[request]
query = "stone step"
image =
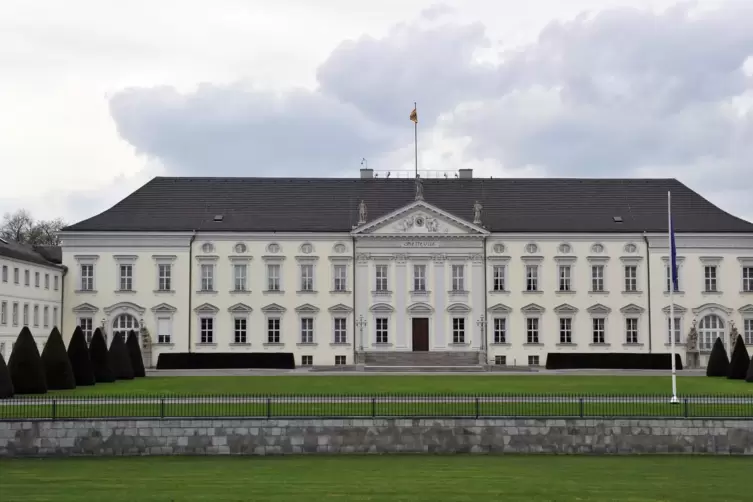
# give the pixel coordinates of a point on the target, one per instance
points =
(424, 369)
(407, 358)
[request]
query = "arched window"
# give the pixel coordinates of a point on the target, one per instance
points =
(123, 324)
(710, 328)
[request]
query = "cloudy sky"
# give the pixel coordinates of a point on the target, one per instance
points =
(98, 96)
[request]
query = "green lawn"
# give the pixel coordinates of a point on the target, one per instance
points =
(417, 384)
(378, 478)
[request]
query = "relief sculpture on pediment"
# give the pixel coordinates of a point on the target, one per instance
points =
(406, 224)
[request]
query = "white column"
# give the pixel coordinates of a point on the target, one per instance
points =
(477, 299)
(438, 340)
(401, 288)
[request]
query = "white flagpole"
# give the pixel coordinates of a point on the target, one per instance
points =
(671, 299)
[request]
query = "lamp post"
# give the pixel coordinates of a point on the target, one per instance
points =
(481, 323)
(361, 323)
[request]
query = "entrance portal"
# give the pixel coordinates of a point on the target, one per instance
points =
(420, 334)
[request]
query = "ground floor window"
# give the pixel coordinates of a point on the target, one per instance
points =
(500, 330)
(273, 330)
(500, 360)
(123, 324)
(87, 326)
(458, 330)
(748, 331)
(533, 360)
(207, 330)
(164, 330)
(710, 328)
(307, 360)
(340, 360)
(239, 333)
(382, 330)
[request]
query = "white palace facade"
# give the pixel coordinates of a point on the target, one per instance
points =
(394, 271)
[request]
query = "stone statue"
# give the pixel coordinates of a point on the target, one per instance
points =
(692, 344)
(733, 334)
(432, 225)
(419, 188)
(477, 207)
(362, 213)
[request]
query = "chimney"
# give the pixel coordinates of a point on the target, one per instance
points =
(465, 173)
(367, 173)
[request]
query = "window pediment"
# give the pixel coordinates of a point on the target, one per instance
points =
(499, 308)
(747, 309)
(240, 308)
(340, 308)
(382, 308)
(632, 308)
(679, 309)
(533, 308)
(124, 306)
(599, 309)
(565, 309)
(712, 307)
(420, 308)
(164, 307)
(85, 308)
(273, 308)
(306, 308)
(206, 308)
(459, 308)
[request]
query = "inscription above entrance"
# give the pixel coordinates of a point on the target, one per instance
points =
(421, 244)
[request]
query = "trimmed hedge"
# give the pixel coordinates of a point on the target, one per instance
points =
(225, 360)
(6, 385)
(749, 376)
(611, 361)
(25, 366)
(119, 359)
(78, 355)
(738, 365)
(718, 365)
(57, 366)
(134, 351)
(100, 358)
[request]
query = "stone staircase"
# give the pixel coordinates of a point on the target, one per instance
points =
(422, 361)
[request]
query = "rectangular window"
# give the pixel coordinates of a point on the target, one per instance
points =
(36, 316)
(46, 281)
(566, 330)
(165, 273)
(341, 277)
(631, 330)
(4, 313)
(307, 277)
(307, 360)
(54, 316)
(676, 330)
(532, 330)
(307, 330)
(599, 330)
(164, 330)
(15, 276)
(631, 278)
(341, 330)
(207, 277)
(273, 277)
(36, 279)
(458, 330)
(458, 278)
(748, 279)
(341, 360)
(532, 277)
(207, 330)
(533, 360)
(55, 282)
(239, 330)
(15, 314)
(382, 330)
(500, 360)
(668, 277)
(419, 277)
(500, 330)
(5, 273)
(709, 273)
(27, 277)
(273, 330)
(239, 278)
(498, 278)
(87, 326)
(126, 277)
(564, 278)
(381, 278)
(87, 277)
(748, 331)
(597, 277)
(26, 314)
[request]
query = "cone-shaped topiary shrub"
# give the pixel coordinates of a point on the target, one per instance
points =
(6, 385)
(25, 366)
(135, 353)
(119, 359)
(100, 358)
(749, 376)
(78, 355)
(57, 367)
(738, 365)
(718, 365)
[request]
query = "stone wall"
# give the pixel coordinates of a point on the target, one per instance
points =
(271, 437)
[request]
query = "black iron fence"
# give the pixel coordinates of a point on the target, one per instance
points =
(375, 406)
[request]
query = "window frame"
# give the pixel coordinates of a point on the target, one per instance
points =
(459, 328)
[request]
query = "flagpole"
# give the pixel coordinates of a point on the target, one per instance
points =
(670, 236)
(415, 137)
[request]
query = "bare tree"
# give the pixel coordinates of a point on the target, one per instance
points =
(21, 227)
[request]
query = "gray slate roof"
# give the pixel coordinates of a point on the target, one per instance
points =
(42, 255)
(331, 205)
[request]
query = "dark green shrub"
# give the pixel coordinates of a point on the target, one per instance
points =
(57, 367)
(78, 355)
(119, 359)
(134, 351)
(6, 385)
(718, 365)
(100, 358)
(25, 366)
(749, 376)
(738, 365)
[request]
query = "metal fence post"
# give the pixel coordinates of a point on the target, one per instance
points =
(685, 403)
(269, 407)
(580, 400)
(54, 409)
(478, 408)
(162, 408)
(373, 407)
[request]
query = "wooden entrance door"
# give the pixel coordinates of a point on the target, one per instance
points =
(420, 334)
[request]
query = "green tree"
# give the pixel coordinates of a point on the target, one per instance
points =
(57, 366)
(78, 355)
(718, 365)
(25, 366)
(100, 358)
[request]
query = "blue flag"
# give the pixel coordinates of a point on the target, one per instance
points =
(673, 252)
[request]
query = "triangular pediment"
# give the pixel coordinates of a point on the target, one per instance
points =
(164, 308)
(273, 308)
(85, 308)
(206, 308)
(306, 308)
(747, 309)
(240, 308)
(678, 309)
(340, 308)
(420, 218)
(533, 308)
(598, 308)
(565, 308)
(632, 308)
(499, 308)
